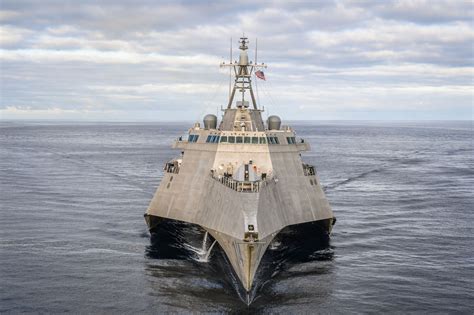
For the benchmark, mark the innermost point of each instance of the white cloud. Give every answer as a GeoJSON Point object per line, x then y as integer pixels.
{"type": "Point", "coordinates": [185, 88]}
{"type": "Point", "coordinates": [12, 35]}
{"type": "Point", "coordinates": [6, 15]}
{"type": "Point", "coordinates": [426, 11]}
{"type": "Point", "coordinates": [325, 56]}
{"type": "Point", "coordinates": [104, 57]}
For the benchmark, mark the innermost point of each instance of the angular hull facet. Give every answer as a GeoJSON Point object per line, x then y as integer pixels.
{"type": "Point", "coordinates": [242, 181]}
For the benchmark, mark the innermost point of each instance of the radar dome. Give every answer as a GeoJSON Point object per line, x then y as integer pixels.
{"type": "Point", "coordinates": [210, 121]}
{"type": "Point", "coordinates": [274, 122]}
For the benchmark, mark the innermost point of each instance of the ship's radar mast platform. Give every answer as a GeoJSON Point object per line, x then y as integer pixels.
{"type": "Point", "coordinates": [243, 70]}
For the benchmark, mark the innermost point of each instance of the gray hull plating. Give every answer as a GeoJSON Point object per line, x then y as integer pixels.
{"type": "Point", "coordinates": [193, 195]}
{"type": "Point", "coordinates": [241, 182]}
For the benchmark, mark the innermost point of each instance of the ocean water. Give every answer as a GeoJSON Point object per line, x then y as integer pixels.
{"type": "Point", "coordinates": [73, 237]}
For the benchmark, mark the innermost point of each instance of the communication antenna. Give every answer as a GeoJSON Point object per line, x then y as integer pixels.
{"type": "Point", "coordinates": [230, 69]}
{"type": "Point", "coordinates": [256, 48]}
{"type": "Point", "coordinates": [256, 85]}
{"type": "Point", "coordinates": [243, 70]}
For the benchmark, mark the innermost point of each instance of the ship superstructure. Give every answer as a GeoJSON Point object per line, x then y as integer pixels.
{"type": "Point", "coordinates": [241, 180]}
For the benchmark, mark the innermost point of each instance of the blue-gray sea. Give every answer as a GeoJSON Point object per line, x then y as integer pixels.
{"type": "Point", "coordinates": [73, 238]}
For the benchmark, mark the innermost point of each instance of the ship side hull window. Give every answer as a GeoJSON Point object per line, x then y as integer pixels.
{"type": "Point", "coordinates": [246, 139]}
{"type": "Point", "coordinates": [213, 139]}
{"type": "Point", "coordinates": [273, 140]}
{"type": "Point", "coordinates": [193, 138]}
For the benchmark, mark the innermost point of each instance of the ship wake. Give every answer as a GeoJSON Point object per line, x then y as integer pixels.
{"type": "Point", "coordinates": [292, 246]}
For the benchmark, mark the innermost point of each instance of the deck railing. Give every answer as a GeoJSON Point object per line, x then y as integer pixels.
{"type": "Point", "coordinates": [242, 186]}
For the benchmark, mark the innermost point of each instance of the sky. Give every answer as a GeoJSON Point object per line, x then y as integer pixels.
{"type": "Point", "coordinates": [159, 60]}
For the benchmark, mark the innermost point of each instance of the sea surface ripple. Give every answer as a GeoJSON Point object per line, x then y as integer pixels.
{"type": "Point", "coordinates": [73, 237]}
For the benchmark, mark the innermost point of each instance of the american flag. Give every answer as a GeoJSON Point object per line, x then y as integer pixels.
{"type": "Point", "coordinates": [260, 75]}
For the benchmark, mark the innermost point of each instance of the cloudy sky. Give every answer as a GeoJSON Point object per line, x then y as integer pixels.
{"type": "Point", "coordinates": [159, 60]}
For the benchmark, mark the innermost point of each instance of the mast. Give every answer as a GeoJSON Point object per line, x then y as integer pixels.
{"type": "Point", "coordinates": [243, 73]}
{"type": "Point", "coordinates": [230, 70]}
{"type": "Point", "coordinates": [256, 49]}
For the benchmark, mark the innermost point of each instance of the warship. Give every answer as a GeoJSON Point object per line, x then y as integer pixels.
{"type": "Point", "coordinates": [242, 181]}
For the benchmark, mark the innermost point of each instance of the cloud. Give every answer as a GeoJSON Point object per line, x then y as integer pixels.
{"type": "Point", "coordinates": [10, 36]}
{"type": "Point", "coordinates": [101, 57]}
{"type": "Point", "coordinates": [426, 12]}
{"type": "Point", "coordinates": [65, 58]}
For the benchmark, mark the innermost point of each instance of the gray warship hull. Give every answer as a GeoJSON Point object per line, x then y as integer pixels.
{"type": "Point", "coordinates": [243, 182]}
{"type": "Point", "coordinates": [192, 194]}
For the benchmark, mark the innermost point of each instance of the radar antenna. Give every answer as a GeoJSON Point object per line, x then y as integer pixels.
{"type": "Point", "coordinates": [243, 75]}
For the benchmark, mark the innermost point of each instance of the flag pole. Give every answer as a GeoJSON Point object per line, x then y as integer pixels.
{"type": "Point", "coordinates": [256, 48]}
{"type": "Point", "coordinates": [256, 86]}
{"type": "Point", "coordinates": [230, 69]}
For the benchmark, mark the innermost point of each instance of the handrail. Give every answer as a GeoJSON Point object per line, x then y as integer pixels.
{"type": "Point", "coordinates": [241, 186]}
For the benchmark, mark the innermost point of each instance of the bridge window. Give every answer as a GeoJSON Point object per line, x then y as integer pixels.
{"type": "Point", "coordinates": [208, 138]}
{"type": "Point", "coordinates": [243, 139]}
{"type": "Point", "coordinates": [291, 140]}
{"type": "Point", "coordinates": [193, 138]}
{"type": "Point", "coordinates": [273, 140]}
